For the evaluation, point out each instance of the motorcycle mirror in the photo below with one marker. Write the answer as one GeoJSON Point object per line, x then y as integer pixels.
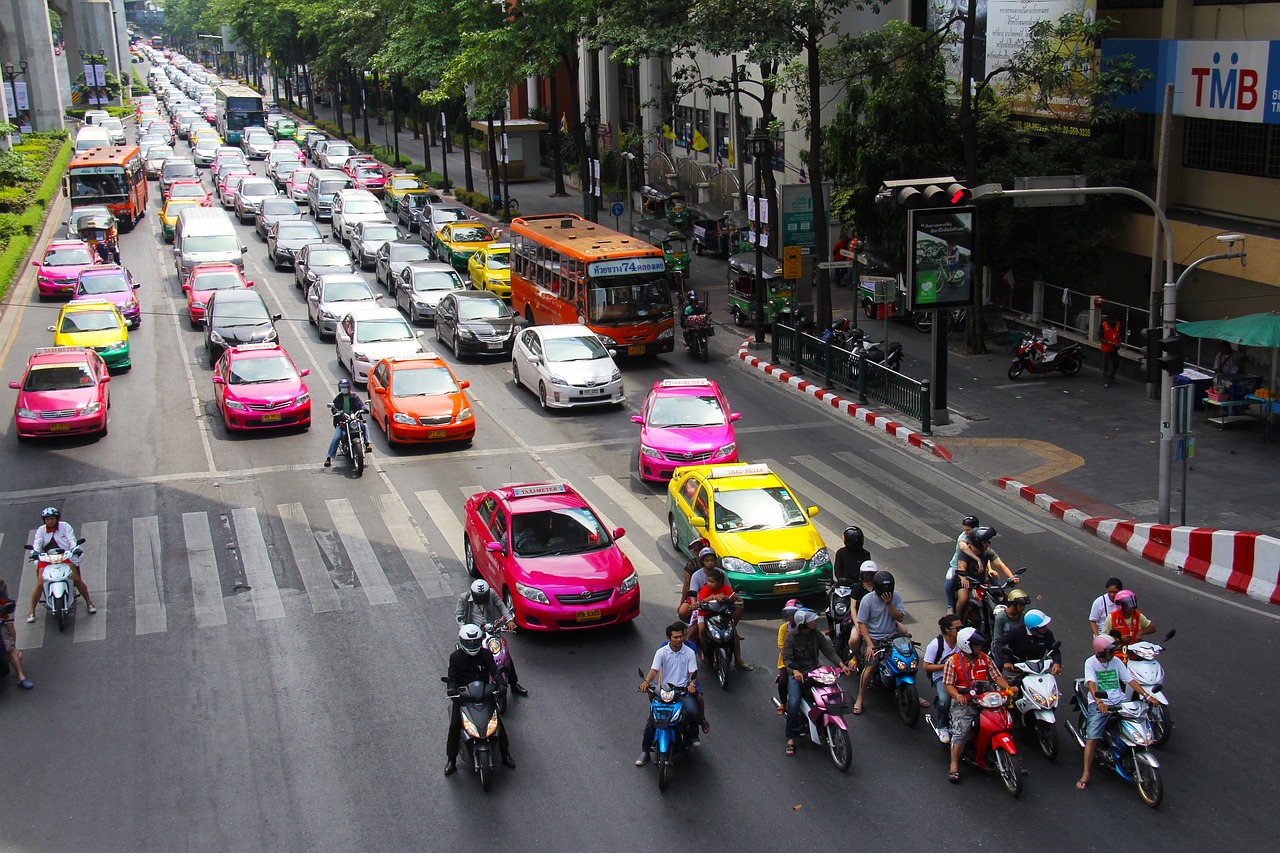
{"type": "Point", "coordinates": [444, 680]}
{"type": "Point", "coordinates": [1057, 644]}
{"type": "Point", "coordinates": [1169, 636]}
{"type": "Point", "coordinates": [1021, 570]}
{"type": "Point", "coordinates": [81, 541]}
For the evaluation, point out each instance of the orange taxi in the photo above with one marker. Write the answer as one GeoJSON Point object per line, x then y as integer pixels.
{"type": "Point", "coordinates": [416, 399]}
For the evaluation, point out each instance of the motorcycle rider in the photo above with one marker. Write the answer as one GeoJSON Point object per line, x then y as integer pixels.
{"type": "Point", "coordinates": [879, 619]}
{"type": "Point", "coordinates": [964, 545]}
{"type": "Point", "coordinates": [1027, 641]}
{"type": "Point", "coordinates": [676, 664]}
{"type": "Point", "coordinates": [800, 655]}
{"type": "Point", "coordinates": [788, 611]}
{"type": "Point", "coordinates": [1012, 611]}
{"type": "Point", "coordinates": [867, 575]}
{"type": "Point", "coordinates": [695, 577]}
{"type": "Point", "coordinates": [982, 566]}
{"type": "Point", "coordinates": [1103, 604]}
{"type": "Point", "coordinates": [850, 557]}
{"type": "Point", "coordinates": [936, 654]}
{"type": "Point", "coordinates": [964, 671]}
{"type": "Point", "coordinates": [348, 403]}
{"type": "Point", "coordinates": [717, 588]}
{"type": "Point", "coordinates": [1104, 678]}
{"type": "Point", "coordinates": [692, 305]}
{"type": "Point", "coordinates": [481, 605]}
{"type": "Point", "coordinates": [471, 661]}
{"type": "Point", "coordinates": [9, 639]}
{"type": "Point", "coordinates": [60, 533]}
{"type": "Point", "coordinates": [1126, 622]}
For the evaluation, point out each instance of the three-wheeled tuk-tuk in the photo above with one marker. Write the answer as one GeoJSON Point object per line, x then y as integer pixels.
{"type": "Point", "coordinates": [742, 277]}
{"type": "Point", "coordinates": [710, 230]}
{"type": "Point", "coordinates": [99, 231]}
{"type": "Point", "coordinates": [673, 243]}
{"type": "Point", "coordinates": [663, 201]}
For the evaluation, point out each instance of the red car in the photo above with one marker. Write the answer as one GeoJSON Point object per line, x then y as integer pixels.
{"type": "Point", "coordinates": [370, 178]}
{"type": "Point", "coordinates": [257, 386]}
{"type": "Point", "coordinates": [550, 557]}
{"type": "Point", "coordinates": [60, 266]}
{"type": "Point", "coordinates": [360, 161]}
{"type": "Point", "coordinates": [62, 392]}
{"type": "Point", "coordinates": [191, 189]}
{"type": "Point", "coordinates": [203, 281]}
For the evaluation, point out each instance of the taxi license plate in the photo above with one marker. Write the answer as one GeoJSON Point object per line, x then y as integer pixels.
{"type": "Point", "coordinates": [493, 344]}
{"type": "Point", "coordinates": [635, 349]}
{"type": "Point", "coordinates": [588, 615]}
{"type": "Point", "coordinates": [271, 418]}
{"type": "Point", "coordinates": [788, 586]}
{"type": "Point", "coordinates": [435, 433]}
{"type": "Point", "coordinates": [60, 428]}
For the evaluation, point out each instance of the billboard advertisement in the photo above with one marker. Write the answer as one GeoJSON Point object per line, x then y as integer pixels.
{"type": "Point", "coordinates": [940, 260]}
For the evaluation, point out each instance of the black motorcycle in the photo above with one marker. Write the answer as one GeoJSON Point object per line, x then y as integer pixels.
{"type": "Point", "coordinates": [351, 444]}
{"type": "Point", "coordinates": [860, 345]}
{"type": "Point", "coordinates": [480, 724]}
{"type": "Point", "coordinates": [984, 598]}
{"type": "Point", "coordinates": [697, 331]}
{"type": "Point", "coordinates": [720, 637]}
{"type": "Point", "coordinates": [840, 616]}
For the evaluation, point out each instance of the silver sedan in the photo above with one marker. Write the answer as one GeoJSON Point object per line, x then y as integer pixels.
{"type": "Point", "coordinates": [334, 296]}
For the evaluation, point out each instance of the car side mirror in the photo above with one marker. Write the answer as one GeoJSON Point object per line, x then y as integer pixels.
{"type": "Point", "coordinates": [734, 416]}
{"type": "Point", "coordinates": [186, 288]}
{"type": "Point", "coordinates": [276, 317]}
{"type": "Point", "coordinates": [106, 379]}
{"type": "Point", "coordinates": [244, 250]}
{"type": "Point", "coordinates": [15, 385]}
{"type": "Point", "coordinates": [306, 371]}
{"type": "Point", "coordinates": [420, 334]}
{"type": "Point", "coordinates": [248, 284]}
{"type": "Point", "coordinates": [377, 296]}
{"type": "Point", "coordinates": [812, 511]}
{"type": "Point", "coordinates": [136, 285]}
{"type": "Point", "coordinates": [217, 380]}
{"type": "Point", "coordinates": [51, 328]}
{"type": "Point", "coordinates": [619, 532]}
{"type": "Point", "coordinates": [612, 353]}
{"type": "Point", "coordinates": [698, 522]}
{"type": "Point", "coordinates": [494, 547]}
{"type": "Point", "coordinates": [464, 384]}
{"type": "Point", "coordinates": [637, 419]}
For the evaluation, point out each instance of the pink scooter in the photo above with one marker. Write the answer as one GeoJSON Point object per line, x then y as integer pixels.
{"type": "Point", "coordinates": [823, 705]}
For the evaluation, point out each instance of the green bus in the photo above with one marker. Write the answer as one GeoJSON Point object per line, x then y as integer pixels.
{"type": "Point", "coordinates": [237, 107]}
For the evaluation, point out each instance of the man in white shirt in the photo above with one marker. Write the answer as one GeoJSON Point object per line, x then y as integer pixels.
{"type": "Point", "coordinates": [1104, 604]}
{"type": "Point", "coordinates": [675, 664]}
{"type": "Point", "coordinates": [1104, 679]}
{"type": "Point", "coordinates": [58, 532]}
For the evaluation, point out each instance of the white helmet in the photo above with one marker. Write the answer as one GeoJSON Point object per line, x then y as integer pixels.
{"type": "Point", "coordinates": [968, 638]}
{"type": "Point", "coordinates": [479, 589]}
{"type": "Point", "coordinates": [470, 639]}
{"type": "Point", "coordinates": [804, 616]}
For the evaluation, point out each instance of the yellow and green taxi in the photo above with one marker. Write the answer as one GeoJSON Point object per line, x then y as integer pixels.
{"type": "Point", "coordinates": [490, 269]}
{"type": "Point", "coordinates": [96, 324]}
{"type": "Point", "coordinates": [169, 215]}
{"type": "Point", "coordinates": [456, 242]}
{"type": "Point", "coordinates": [201, 132]}
{"type": "Point", "coordinates": [759, 529]}
{"type": "Point", "coordinates": [400, 185]}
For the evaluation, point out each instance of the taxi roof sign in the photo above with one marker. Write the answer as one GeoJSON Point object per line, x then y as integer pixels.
{"type": "Point", "coordinates": [534, 491]}
{"type": "Point", "coordinates": [738, 471]}
{"type": "Point", "coordinates": [57, 350]}
{"type": "Point", "coordinates": [685, 383]}
{"type": "Point", "coordinates": [253, 347]}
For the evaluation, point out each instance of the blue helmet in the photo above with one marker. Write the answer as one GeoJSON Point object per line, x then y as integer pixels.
{"type": "Point", "coordinates": [1036, 619]}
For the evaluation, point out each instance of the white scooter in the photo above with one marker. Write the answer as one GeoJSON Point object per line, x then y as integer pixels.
{"type": "Point", "coordinates": [1037, 702]}
{"type": "Point", "coordinates": [1148, 672]}
{"type": "Point", "coordinates": [54, 567]}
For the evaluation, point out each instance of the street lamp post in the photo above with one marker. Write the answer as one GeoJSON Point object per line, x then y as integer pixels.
{"type": "Point", "coordinates": [115, 44]}
{"type": "Point", "coordinates": [759, 151]}
{"type": "Point", "coordinates": [11, 77]}
{"type": "Point", "coordinates": [593, 127]}
{"type": "Point", "coordinates": [94, 92]}
{"type": "Point", "coordinates": [631, 211]}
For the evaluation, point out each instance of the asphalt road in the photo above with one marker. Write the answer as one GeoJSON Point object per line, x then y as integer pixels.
{"type": "Point", "coordinates": [263, 671]}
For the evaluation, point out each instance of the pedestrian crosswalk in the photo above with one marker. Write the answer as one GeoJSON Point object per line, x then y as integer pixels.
{"type": "Point", "coordinates": [204, 569]}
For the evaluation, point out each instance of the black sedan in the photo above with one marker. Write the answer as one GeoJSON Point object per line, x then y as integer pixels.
{"type": "Point", "coordinates": [317, 259]}
{"type": "Point", "coordinates": [235, 317]}
{"type": "Point", "coordinates": [475, 322]}
{"type": "Point", "coordinates": [273, 210]}
{"type": "Point", "coordinates": [286, 239]}
{"type": "Point", "coordinates": [391, 259]}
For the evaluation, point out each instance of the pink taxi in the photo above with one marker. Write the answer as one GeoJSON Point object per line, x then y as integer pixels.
{"type": "Point", "coordinates": [59, 268]}
{"type": "Point", "coordinates": [371, 178]}
{"type": "Point", "coordinates": [63, 392]}
{"type": "Point", "coordinates": [296, 188]}
{"type": "Point", "coordinates": [550, 557]}
{"type": "Point", "coordinates": [684, 422]}
{"type": "Point", "coordinates": [257, 386]}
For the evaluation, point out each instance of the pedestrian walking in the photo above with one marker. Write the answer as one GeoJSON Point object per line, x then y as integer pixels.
{"type": "Point", "coordinates": [1110, 346]}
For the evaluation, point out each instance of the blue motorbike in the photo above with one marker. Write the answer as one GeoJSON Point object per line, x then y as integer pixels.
{"type": "Point", "coordinates": [672, 733]}
{"type": "Point", "coordinates": [896, 662]}
{"type": "Point", "coordinates": [1126, 744]}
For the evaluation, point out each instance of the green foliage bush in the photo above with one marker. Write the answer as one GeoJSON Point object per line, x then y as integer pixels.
{"type": "Point", "coordinates": [10, 258]}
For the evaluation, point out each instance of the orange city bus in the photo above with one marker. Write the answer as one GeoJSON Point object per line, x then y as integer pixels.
{"type": "Point", "coordinates": [565, 269]}
{"type": "Point", "coordinates": [111, 175]}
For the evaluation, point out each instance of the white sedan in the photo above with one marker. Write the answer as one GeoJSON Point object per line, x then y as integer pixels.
{"type": "Point", "coordinates": [370, 334]}
{"type": "Point", "coordinates": [566, 366]}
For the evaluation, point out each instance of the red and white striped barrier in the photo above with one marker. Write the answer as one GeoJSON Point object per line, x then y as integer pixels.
{"type": "Point", "coordinates": [1235, 560]}
{"type": "Point", "coordinates": [862, 413]}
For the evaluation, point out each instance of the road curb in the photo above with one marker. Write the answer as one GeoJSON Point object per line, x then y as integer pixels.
{"type": "Point", "coordinates": [868, 416]}
{"type": "Point", "coordinates": [1239, 561]}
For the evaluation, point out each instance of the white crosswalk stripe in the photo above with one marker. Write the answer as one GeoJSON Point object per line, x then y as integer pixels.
{"type": "Point", "coordinates": [302, 542]}
{"type": "Point", "coordinates": [93, 571]}
{"type": "Point", "coordinates": [441, 515]}
{"type": "Point", "coordinates": [865, 494]}
{"type": "Point", "coordinates": [413, 545]}
{"type": "Point", "coordinates": [377, 589]}
{"type": "Point", "coordinates": [206, 585]}
{"type": "Point", "coordinates": [258, 571]}
{"type": "Point", "coordinates": [149, 613]}
{"type": "Point", "coordinates": [636, 511]}
{"type": "Point", "coordinates": [831, 506]}
{"type": "Point", "coordinates": [28, 636]}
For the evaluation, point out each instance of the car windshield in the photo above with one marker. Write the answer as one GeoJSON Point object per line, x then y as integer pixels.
{"type": "Point", "coordinates": [567, 530]}
{"type": "Point", "coordinates": [362, 206]}
{"type": "Point", "coordinates": [67, 256]}
{"type": "Point", "coordinates": [206, 143]}
{"type": "Point", "coordinates": [222, 243]}
{"type": "Point", "coordinates": [422, 382]}
{"type": "Point", "coordinates": [368, 173]}
{"type": "Point", "coordinates": [586, 348]}
{"type": "Point", "coordinates": [477, 234]}
{"type": "Point", "coordinates": [379, 232]}
{"type": "Point", "coordinates": [405, 183]}
{"type": "Point", "coordinates": [287, 168]}
{"type": "Point", "coordinates": [329, 258]}
{"type": "Point", "coordinates": [247, 313]}
{"type": "Point", "coordinates": [338, 149]}
{"type": "Point", "coordinates": [183, 169]}
{"type": "Point", "coordinates": [629, 299]}
{"type": "Point", "coordinates": [757, 509]}
{"type": "Point", "coordinates": [300, 176]}
{"type": "Point", "coordinates": [415, 200]}
{"type": "Point", "coordinates": [686, 411]}
{"type": "Point", "coordinates": [347, 291]}
{"type": "Point", "coordinates": [332, 186]}
{"type": "Point", "coordinates": [409, 253]}
{"type": "Point", "coordinates": [58, 377]}
{"type": "Point", "coordinates": [441, 216]}
{"type": "Point", "coordinates": [233, 181]}
{"type": "Point", "coordinates": [187, 191]}
{"type": "Point", "coordinates": [89, 321]}
{"type": "Point", "coordinates": [279, 206]}
{"type": "Point", "coordinates": [112, 282]}
{"type": "Point", "coordinates": [260, 139]}
{"type": "Point", "coordinates": [298, 230]}
{"type": "Point", "coordinates": [374, 331]}
{"type": "Point", "coordinates": [483, 309]}
{"type": "Point", "coordinates": [159, 152]}
{"type": "Point", "coordinates": [435, 281]}
{"type": "Point", "coordinates": [498, 261]}
{"type": "Point", "coordinates": [255, 371]}
{"type": "Point", "coordinates": [258, 188]}
{"type": "Point", "coordinates": [217, 281]}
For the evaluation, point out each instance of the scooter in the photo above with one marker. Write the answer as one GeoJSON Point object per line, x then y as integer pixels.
{"type": "Point", "coordinates": [718, 616]}
{"type": "Point", "coordinates": [896, 662]}
{"type": "Point", "coordinates": [1035, 356]}
{"type": "Point", "coordinates": [480, 722]}
{"type": "Point", "coordinates": [1124, 746]}
{"type": "Point", "coordinates": [860, 345]}
{"type": "Point", "coordinates": [1037, 701]}
{"type": "Point", "coordinates": [840, 617]}
{"type": "Point", "coordinates": [672, 733]}
{"type": "Point", "coordinates": [823, 706]}
{"type": "Point", "coordinates": [984, 598]}
{"type": "Point", "coordinates": [351, 444]}
{"type": "Point", "coordinates": [497, 646]}
{"type": "Point", "coordinates": [697, 329]}
{"type": "Point", "coordinates": [54, 568]}
{"type": "Point", "coordinates": [992, 746]}
{"type": "Point", "coordinates": [1148, 672]}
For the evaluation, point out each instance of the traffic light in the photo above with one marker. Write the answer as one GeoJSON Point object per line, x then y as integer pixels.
{"type": "Point", "coordinates": [915, 193]}
{"type": "Point", "coordinates": [1172, 361]}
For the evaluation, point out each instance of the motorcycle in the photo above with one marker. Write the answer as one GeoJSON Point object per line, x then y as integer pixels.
{"type": "Point", "coordinates": [1037, 701]}
{"type": "Point", "coordinates": [823, 705]}
{"type": "Point", "coordinates": [1035, 355]}
{"type": "Point", "coordinates": [840, 617]}
{"type": "Point", "coordinates": [351, 444]}
{"type": "Point", "coordinates": [1124, 746]}
{"type": "Point", "coordinates": [860, 345]}
{"type": "Point", "coordinates": [896, 662]}
{"type": "Point", "coordinates": [1148, 672]}
{"type": "Point", "coordinates": [984, 598]}
{"type": "Point", "coordinates": [53, 566]}
{"type": "Point", "coordinates": [497, 646]}
{"type": "Point", "coordinates": [992, 746]}
{"type": "Point", "coordinates": [718, 616]}
{"type": "Point", "coordinates": [697, 329]}
{"type": "Point", "coordinates": [480, 722]}
{"type": "Point", "coordinates": [672, 733]}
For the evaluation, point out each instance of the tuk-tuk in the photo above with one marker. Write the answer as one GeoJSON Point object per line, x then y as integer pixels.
{"type": "Point", "coordinates": [673, 243]}
{"type": "Point", "coordinates": [742, 277]}
{"type": "Point", "coordinates": [678, 210]}
{"type": "Point", "coordinates": [738, 231]}
{"type": "Point", "coordinates": [710, 230]}
{"type": "Point", "coordinates": [99, 231]}
{"type": "Point", "coordinates": [655, 197]}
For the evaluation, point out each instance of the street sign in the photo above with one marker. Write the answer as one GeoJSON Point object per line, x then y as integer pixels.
{"type": "Point", "coordinates": [1049, 182]}
{"type": "Point", "coordinates": [848, 253]}
{"type": "Point", "coordinates": [834, 265]}
{"type": "Point", "coordinates": [1183, 397]}
{"type": "Point", "coordinates": [792, 262]}
{"type": "Point", "coordinates": [617, 209]}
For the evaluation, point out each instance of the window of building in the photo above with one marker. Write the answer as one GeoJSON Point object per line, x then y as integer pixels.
{"type": "Point", "coordinates": [779, 150]}
{"type": "Point", "coordinates": [684, 127]}
{"type": "Point", "coordinates": [721, 139]}
{"type": "Point", "coordinates": [700, 122]}
{"type": "Point", "coordinates": [629, 97]}
{"type": "Point", "coordinates": [1241, 148]}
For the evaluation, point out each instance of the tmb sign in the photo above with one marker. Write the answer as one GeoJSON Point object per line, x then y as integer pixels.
{"type": "Point", "coordinates": [1225, 80]}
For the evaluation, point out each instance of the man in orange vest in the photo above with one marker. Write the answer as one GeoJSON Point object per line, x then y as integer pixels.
{"type": "Point", "coordinates": [962, 675]}
{"type": "Point", "coordinates": [1126, 623]}
{"type": "Point", "coordinates": [1110, 346]}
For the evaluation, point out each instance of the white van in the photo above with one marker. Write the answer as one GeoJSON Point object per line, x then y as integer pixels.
{"type": "Point", "coordinates": [205, 235]}
{"type": "Point", "coordinates": [91, 136]}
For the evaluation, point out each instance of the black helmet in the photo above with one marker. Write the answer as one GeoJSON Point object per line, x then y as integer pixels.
{"type": "Point", "coordinates": [884, 582]}
{"type": "Point", "coordinates": [853, 537]}
{"type": "Point", "coordinates": [984, 534]}
{"type": "Point", "coordinates": [970, 521]}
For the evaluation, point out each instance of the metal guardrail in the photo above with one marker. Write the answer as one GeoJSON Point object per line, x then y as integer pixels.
{"type": "Point", "coordinates": [842, 368]}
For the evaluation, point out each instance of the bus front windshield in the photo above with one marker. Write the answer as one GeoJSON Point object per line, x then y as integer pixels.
{"type": "Point", "coordinates": [630, 300]}
{"type": "Point", "coordinates": [240, 120]}
{"type": "Point", "coordinates": [101, 186]}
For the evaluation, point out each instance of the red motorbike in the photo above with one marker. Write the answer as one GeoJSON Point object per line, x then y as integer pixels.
{"type": "Point", "coordinates": [992, 748]}
{"type": "Point", "coordinates": [1038, 354]}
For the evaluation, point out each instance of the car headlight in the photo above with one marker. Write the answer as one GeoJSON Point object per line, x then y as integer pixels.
{"type": "Point", "coordinates": [25, 413]}
{"type": "Point", "coordinates": [532, 593]}
{"type": "Point", "coordinates": [91, 409]}
{"type": "Point", "coordinates": [727, 449]}
{"type": "Point", "coordinates": [271, 335]}
{"type": "Point", "coordinates": [650, 452]}
{"type": "Point", "coordinates": [616, 376]}
{"type": "Point", "coordinates": [359, 356]}
{"type": "Point", "coordinates": [666, 334]}
{"type": "Point", "coordinates": [464, 415]}
{"type": "Point", "coordinates": [820, 558]}
{"type": "Point", "coordinates": [402, 418]}
{"type": "Point", "coordinates": [302, 400]}
{"type": "Point", "coordinates": [606, 340]}
{"type": "Point", "coordinates": [736, 564]}
{"type": "Point", "coordinates": [556, 380]}
{"type": "Point", "coordinates": [466, 333]}
{"type": "Point", "coordinates": [630, 583]}
{"type": "Point", "coordinates": [199, 305]}
{"type": "Point", "coordinates": [328, 315]}
{"type": "Point", "coordinates": [235, 404]}
{"type": "Point", "coordinates": [117, 346]}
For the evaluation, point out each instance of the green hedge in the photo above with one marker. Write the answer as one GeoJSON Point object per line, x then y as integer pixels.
{"type": "Point", "coordinates": [22, 228]}
{"type": "Point", "coordinates": [11, 258]}
{"type": "Point", "coordinates": [116, 112]}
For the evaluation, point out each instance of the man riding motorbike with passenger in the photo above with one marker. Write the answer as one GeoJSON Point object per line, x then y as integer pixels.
{"type": "Point", "coordinates": [1126, 622]}
{"type": "Point", "coordinates": [481, 605]}
{"type": "Point", "coordinates": [983, 566]}
{"type": "Point", "coordinates": [800, 655]}
{"type": "Point", "coordinates": [471, 661]}
{"type": "Point", "coordinates": [57, 532]}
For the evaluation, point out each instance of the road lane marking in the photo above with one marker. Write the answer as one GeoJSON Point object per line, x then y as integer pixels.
{"type": "Point", "coordinates": [202, 422]}
{"type": "Point", "coordinates": [863, 493]}
{"type": "Point", "coordinates": [206, 585]}
{"type": "Point", "coordinates": [258, 571]}
{"type": "Point", "coordinates": [641, 563]}
{"type": "Point", "coordinates": [433, 503]}
{"type": "Point", "coordinates": [834, 506]}
{"type": "Point", "coordinates": [93, 571]}
{"type": "Point", "coordinates": [149, 615]}
{"type": "Point", "coordinates": [373, 580]}
{"type": "Point", "coordinates": [642, 512]}
{"type": "Point", "coordinates": [28, 636]}
{"type": "Point", "coordinates": [413, 545]}
{"type": "Point", "coordinates": [320, 588]}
